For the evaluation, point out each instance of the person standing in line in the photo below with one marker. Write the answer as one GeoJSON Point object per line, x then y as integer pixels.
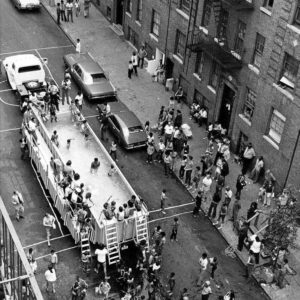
{"type": "Point", "coordinates": [167, 163]}
{"type": "Point", "coordinates": [50, 276]}
{"type": "Point", "coordinates": [161, 150]}
{"type": "Point", "coordinates": [206, 290]}
{"type": "Point", "coordinates": [174, 232]}
{"type": "Point", "coordinates": [130, 69]}
{"type": "Point", "coordinates": [79, 100]}
{"type": "Point", "coordinates": [49, 223]}
{"type": "Point", "coordinates": [24, 148]}
{"type": "Point", "coordinates": [228, 195]}
{"type": "Point", "coordinates": [65, 90]}
{"type": "Point", "coordinates": [183, 163]}
{"type": "Point", "coordinates": [212, 211]}
{"type": "Point", "coordinates": [113, 150]}
{"type": "Point", "coordinates": [243, 235]}
{"type": "Point", "coordinates": [95, 166]}
{"type": "Point", "coordinates": [63, 11]}
{"type": "Point", "coordinates": [77, 8]}
{"type": "Point", "coordinates": [78, 46]}
{"type": "Point", "coordinates": [134, 59]}
{"type": "Point", "coordinates": [240, 184]}
{"type": "Point", "coordinates": [198, 202]}
{"type": "Point", "coordinates": [18, 203]}
{"type": "Point", "coordinates": [54, 138]}
{"type": "Point", "coordinates": [86, 8]}
{"type": "Point", "coordinates": [69, 8]}
{"type": "Point", "coordinates": [179, 97]}
{"type": "Point", "coordinates": [222, 215]}
{"type": "Point", "coordinates": [188, 171]}
{"type": "Point", "coordinates": [141, 56]}
{"type": "Point", "coordinates": [171, 283]}
{"type": "Point", "coordinates": [101, 254]}
{"type": "Point", "coordinates": [53, 259]}
{"type": "Point", "coordinates": [247, 158]}
{"type": "Point", "coordinates": [163, 198]}
{"type": "Point", "coordinates": [58, 14]}
{"type": "Point", "coordinates": [203, 262]}
{"type": "Point", "coordinates": [206, 185]}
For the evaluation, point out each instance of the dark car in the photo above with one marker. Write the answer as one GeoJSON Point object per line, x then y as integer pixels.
{"type": "Point", "coordinates": [89, 76]}
{"type": "Point", "coordinates": [125, 126]}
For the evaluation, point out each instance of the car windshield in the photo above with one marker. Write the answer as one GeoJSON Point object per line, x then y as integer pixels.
{"type": "Point", "coordinates": [29, 69]}
{"type": "Point", "coordinates": [134, 129]}
{"type": "Point", "coordinates": [93, 78]}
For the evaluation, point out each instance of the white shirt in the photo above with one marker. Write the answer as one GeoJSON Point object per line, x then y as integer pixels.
{"type": "Point", "coordinates": [50, 276]}
{"type": "Point", "coordinates": [228, 194]}
{"type": "Point", "coordinates": [101, 255]}
{"type": "Point", "coordinates": [203, 263]}
{"type": "Point", "coordinates": [17, 198]}
{"type": "Point", "coordinates": [206, 183]}
{"type": "Point", "coordinates": [78, 47]}
{"type": "Point", "coordinates": [134, 59]}
{"type": "Point", "coordinates": [168, 129]}
{"type": "Point", "coordinates": [31, 126]}
{"type": "Point", "coordinates": [255, 247]}
{"type": "Point", "coordinates": [161, 146]}
{"type": "Point", "coordinates": [79, 98]}
{"type": "Point", "coordinates": [48, 221]}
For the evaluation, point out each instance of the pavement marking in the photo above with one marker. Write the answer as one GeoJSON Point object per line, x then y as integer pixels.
{"type": "Point", "coordinates": [44, 48]}
{"type": "Point", "coordinates": [46, 241]}
{"type": "Point", "coordinates": [92, 116]}
{"type": "Point", "coordinates": [3, 81]}
{"type": "Point", "coordinates": [4, 102]}
{"type": "Point", "coordinates": [171, 207]}
{"type": "Point", "coordinates": [45, 65]}
{"type": "Point", "coordinates": [6, 90]}
{"type": "Point", "coordinates": [8, 130]}
{"type": "Point", "coordinates": [59, 251]}
{"type": "Point", "coordinates": [168, 217]}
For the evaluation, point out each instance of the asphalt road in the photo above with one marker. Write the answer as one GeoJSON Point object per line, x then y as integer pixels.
{"type": "Point", "coordinates": [37, 33]}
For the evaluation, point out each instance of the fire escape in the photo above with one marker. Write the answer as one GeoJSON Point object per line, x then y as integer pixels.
{"type": "Point", "coordinates": [216, 47]}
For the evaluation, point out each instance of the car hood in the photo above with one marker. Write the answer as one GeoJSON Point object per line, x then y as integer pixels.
{"type": "Point", "coordinates": [100, 88]}
{"type": "Point", "coordinates": [30, 2]}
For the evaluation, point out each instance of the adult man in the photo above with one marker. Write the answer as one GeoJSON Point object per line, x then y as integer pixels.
{"type": "Point", "coordinates": [168, 132]}
{"type": "Point", "coordinates": [49, 223]}
{"type": "Point", "coordinates": [101, 253]}
{"type": "Point", "coordinates": [167, 163]}
{"type": "Point", "coordinates": [248, 156]}
{"type": "Point", "coordinates": [188, 171]}
{"type": "Point", "coordinates": [214, 204]}
{"type": "Point", "coordinates": [203, 262]}
{"type": "Point", "coordinates": [69, 8]}
{"type": "Point", "coordinates": [255, 247]}
{"type": "Point", "coordinates": [58, 14]}
{"type": "Point", "coordinates": [163, 198]}
{"type": "Point", "coordinates": [228, 195]}
{"type": "Point", "coordinates": [65, 90]}
{"type": "Point", "coordinates": [141, 56]}
{"type": "Point", "coordinates": [18, 203]}
{"type": "Point", "coordinates": [63, 11]}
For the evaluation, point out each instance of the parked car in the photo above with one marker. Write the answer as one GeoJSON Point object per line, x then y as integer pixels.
{"type": "Point", "coordinates": [89, 76]}
{"type": "Point", "coordinates": [24, 69]}
{"type": "Point", "coordinates": [27, 4]}
{"type": "Point", "coordinates": [125, 126]}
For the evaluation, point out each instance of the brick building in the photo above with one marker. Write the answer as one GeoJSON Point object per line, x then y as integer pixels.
{"type": "Point", "coordinates": [239, 58]}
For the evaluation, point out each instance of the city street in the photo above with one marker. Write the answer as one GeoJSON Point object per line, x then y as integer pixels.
{"type": "Point", "coordinates": [37, 33]}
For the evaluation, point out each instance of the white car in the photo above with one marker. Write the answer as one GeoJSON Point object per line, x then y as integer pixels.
{"type": "Point", "coordinates": [27, 4]}
{"type": "Point", "coordinates": [26, 69]}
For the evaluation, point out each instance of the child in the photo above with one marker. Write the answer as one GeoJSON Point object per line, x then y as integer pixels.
{"type": "Point", "coordinates": [104, 288]}
{"type": "Point", "coordinates": [112, 170]}
{"type": "Point", "coordinates": [174, 230]}
{"type": "Point", "coordinates": [113, 150]}
{"type": "Point", "coordinates": [130, 69]}
{"type": "Point", "coordinates": [198, 202]}
{"type": "Point", "coordinates": [53, 259]}
{"type": "Point", "coordinates": [197, 177]}
{"type": "Point", "coordinates": [53, 113]}
{"type": "Point", "coordinates": [85, 262]}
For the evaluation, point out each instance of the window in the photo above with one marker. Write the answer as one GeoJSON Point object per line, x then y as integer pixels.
{"type": "Point", "coordinates": [155, 23]}
{"type": "Point", "coordinates": [289, 71]}
{"type": "Point", "coordinates": [206, 13]}
{"type": "Point", "coordinates": [199, 63]}
{"type": "Point", "coordinates": [258, 50]}
{"type": "Point", "coordinates": [78, 70]}
{"type": "Point", "coordinates": [268, 4]}
{"type": "Point", "coordinates": [214, 75]}
{"type": "Point", "coordinates": [276, 126]}
{"type": "Point", "coordinates": [108, 12]}
{"type": "Point", "coordinates": [184, 5]}
{"type": "Point", "coordinates": [179, 44]}
{"type": "Point", "coordinates": [297, 14]}
{"type": "Point", "coordinates": [223, 24]}
{"type": "Point", "coordinates": [129, 6]}
{"type": "Point", "coordinates": [132, 36]}
{"type": "Point", "coordinates": [139, 10]}
{"type": "Point", "coordinates": [240, 36]}
{"type": "Point", "coordinates": [249, 105]}
{"type": "Point", "coordinates": [29, 69]}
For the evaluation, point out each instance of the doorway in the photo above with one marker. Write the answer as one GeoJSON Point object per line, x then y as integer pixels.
{"type": "Point", "coordinates": [119, 11]}
{"type": "Point", "coordinates": [226, 107]}
{"type": "Point", "coordinates": [169, 68]}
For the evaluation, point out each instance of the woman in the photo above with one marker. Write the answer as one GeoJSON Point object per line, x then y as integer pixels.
{"type": "Point", "coordinates": [86, 8]}
{"type": "Point", "coordinates": [256, 171]}
{"type": "Point", "coordinates": [50, 276]}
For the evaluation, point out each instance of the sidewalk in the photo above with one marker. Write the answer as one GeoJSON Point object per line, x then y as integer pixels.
{"type": "Point", "coordinates": [145, 98]}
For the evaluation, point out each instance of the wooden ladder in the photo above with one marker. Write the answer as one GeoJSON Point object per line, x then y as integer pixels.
{"type": "Point", "coordinates": [85, 245]}
{"type": "Point", "coordinates": [112, 243]}
{"type": "Point", "coordinates": [141, 226]}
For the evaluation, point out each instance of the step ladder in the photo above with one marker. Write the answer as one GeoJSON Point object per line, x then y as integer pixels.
{"type": "Point", "coordinates": [141, 226]}
{"type": "Point", "coordinates": [112, 243]}
{"type": "Point", "coordinates": [85, 247]}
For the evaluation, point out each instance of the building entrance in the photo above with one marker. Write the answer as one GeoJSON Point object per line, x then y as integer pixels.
{"type": "Point", "coordinates": [226, 106]}
{"type": "Point", "coordinates": [119, 11]}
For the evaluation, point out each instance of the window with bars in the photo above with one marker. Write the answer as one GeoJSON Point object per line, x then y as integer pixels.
{"type": "Point", "coordinates": [155, 23]}
{"type": "Point", "coordinates": [129, 6]}
{"type": "Point", "coordinates": [276, 127]}
{"type": "Point", "coordinates": [139, 10]}
{"type": "Point", "coordinates": [289, 70]}
{"type": "Point", "coordinates": [199, 63]}
{"type": "Point", "coordinates": [240, 37]}
{"type": "Point", "coordinates": [249, 105]}
{"type": "Point", "coordinates": [179, 44]}
{"type": "Point", "coordinates": [268, 4]}
{"type": "Point", "coordinates": [297, 14]}
{"type": "Point", "coordinates": [214, 75]}
{"type": "Point", "coordinates": [222, 28]}
{"type": "Point", "coordinates": [258, 50]}
{"type": "Point", "coordinates": [206, 13]}
{"type": "Point", "coordinates": [184, 5]}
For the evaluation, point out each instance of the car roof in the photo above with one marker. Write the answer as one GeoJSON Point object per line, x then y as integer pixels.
{"type": "Point", "coordinates": [87, 63]}
{"type": "Point", "coordinates": [128, 118]}
{"type": "Point", "coordinates": [22, 60]}
{"type": "Point", "coordinates": [118, 107]}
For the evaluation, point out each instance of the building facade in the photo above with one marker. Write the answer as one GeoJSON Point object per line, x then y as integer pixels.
{"type": "Point", "coordinates": [239, 58]}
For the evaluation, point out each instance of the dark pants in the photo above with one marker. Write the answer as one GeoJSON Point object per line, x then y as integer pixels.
{"type": "Point", "coordinates": [135, 70]}
{"type": "Point", "coordinates": [113, 155]}
{"type": "Point", "coordinates": [173, 235]}
{"type": "Point", "coordinates": [218, 155]}
{"type": "Point", "coordinates": [167, 169]}
{"type": "Point", "coordinates": [58, 19]}
{"type": "Point", "coordinates": [196, 210]}
{"type": "Point", "coordinates": [213, 270]}
{"type": "Point", "coordinates": [63, 15]}
{"type": "Point", "coordinates": [256, 256]}
{"type": "Point", "coordinates": [212, 209]}
{"type": "Point", "coordinates": [159, 155]}
{"type": "Point", "coordinates": [149, 158]}
{"type": "Point", "coordinates": [69, 16]}
{"type": "Point", "coordinates": [130, 73]}
{"type": "Point", "coordinates": [181, 172]}
{"type": "Point", "coordinates": [246, 165]}
{"type": "Point", "coordinates": [141, 62]}
{"type": "Point", "coordinates": [238, 192]}
{"type": "Point", "coordinates": [103, 132]}
{"type": "Point", "coordinates": [188, 177]}
{"type": "Point", "coordinates": [241, 240]}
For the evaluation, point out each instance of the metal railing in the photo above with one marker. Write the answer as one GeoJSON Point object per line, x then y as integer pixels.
{"type": "Point", "coordinates": [17, 278]}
